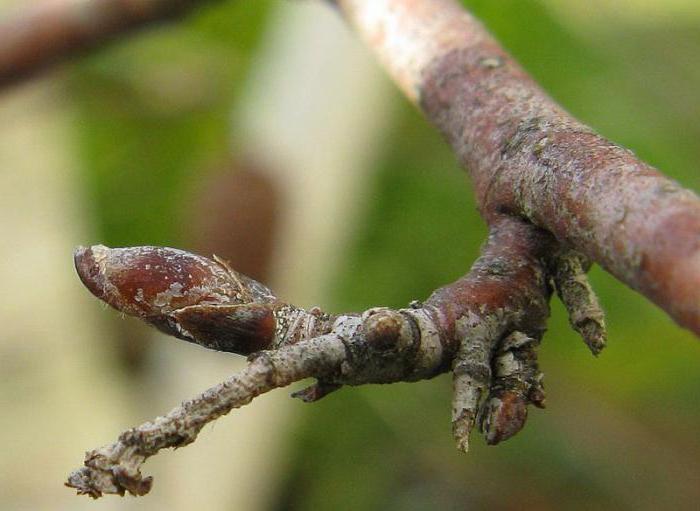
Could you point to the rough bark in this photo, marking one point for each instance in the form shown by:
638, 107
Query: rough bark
556, 197
484, 328
528, 157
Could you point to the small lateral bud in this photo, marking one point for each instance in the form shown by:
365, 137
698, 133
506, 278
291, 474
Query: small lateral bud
386, 329
317, 391
383, 327
506, 416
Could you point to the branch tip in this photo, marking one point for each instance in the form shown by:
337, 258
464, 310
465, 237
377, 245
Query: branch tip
462, 427
115, 468
586, 316
462, 325
517, 383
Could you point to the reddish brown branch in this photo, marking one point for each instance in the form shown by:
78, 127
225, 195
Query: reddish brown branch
49, 31
553, 193
529, 158
459, 328
526, 155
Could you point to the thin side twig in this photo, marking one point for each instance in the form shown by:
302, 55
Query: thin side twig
204, 301
115, 468
585, 313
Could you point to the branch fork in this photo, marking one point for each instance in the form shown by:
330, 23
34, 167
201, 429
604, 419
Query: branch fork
556, 196
484, 328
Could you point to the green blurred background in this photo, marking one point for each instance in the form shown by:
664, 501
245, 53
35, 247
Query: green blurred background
156, 140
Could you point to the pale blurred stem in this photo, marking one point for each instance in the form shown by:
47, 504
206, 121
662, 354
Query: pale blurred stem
47, 32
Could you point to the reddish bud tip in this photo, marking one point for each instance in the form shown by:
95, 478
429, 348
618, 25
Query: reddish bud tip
152, 281
506, 417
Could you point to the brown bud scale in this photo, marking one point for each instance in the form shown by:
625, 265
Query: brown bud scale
182, 294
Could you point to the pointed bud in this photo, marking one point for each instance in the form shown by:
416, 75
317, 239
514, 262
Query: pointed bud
505, 416
163, 285
150, 281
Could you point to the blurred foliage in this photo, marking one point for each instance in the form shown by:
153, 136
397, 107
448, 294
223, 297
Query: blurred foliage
154, 109
620, 431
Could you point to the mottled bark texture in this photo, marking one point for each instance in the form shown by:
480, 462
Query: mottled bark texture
556, 197
527, 157
484, 328
49, 31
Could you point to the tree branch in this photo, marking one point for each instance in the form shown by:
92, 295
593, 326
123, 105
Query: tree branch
51, 31
528, 157
555, 195
115, 468
459, 327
